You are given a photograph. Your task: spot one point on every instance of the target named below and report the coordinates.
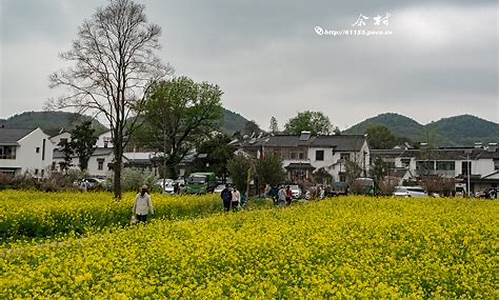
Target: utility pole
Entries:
(364, 163)
(468, 173)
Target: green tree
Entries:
(380, 137)
(269, 170)
(83, 140)
(179, 114)
(218, 152)
(240, 169)
(273, 125)
(314, 121)
(68, 152)
(113, 65)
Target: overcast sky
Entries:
(440, 60)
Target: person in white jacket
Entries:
(143, 205)
(235, 199)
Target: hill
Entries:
(52, 121)
(465, 129)
(233, 122)
(462, 130)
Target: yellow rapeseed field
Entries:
(31, 214)
(348, 247)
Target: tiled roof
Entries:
(97, 152)
(436, 154)
(339, 142)
(10, 136)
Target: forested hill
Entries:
(51, 122)
(463, 130)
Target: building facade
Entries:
(477, 165)
(25, 150)
(304, 154)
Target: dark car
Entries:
(489, 193)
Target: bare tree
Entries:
(113, 65)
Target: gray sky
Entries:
(440, 60)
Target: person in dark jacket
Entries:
(226, 197)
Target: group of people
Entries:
(231, 198)
(281, 195)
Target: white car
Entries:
(169, 185)
(219, 188)
(410, 191)
(296, 191)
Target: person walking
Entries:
(226, 197)
(143, 205)
(281, 197)
(236, 199)
(288, 195)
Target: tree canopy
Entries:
(314, 121)
(179, 114)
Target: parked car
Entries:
(91, 183)
(169, 185)
(410, 191)
(489, 193)
(296, 191)
(219, 188)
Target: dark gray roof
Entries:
(339, 142)
(97, 152)
(10, 136)
(436, 154)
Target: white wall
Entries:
(92, 167)
(101, 140)
(26, 157)
(57, 139)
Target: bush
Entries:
(133, 179)
(387, 186)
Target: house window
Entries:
(425, 165)
(446, 165)
(342, 177)
(301, 155)
(37, 149)
(7, 152)
(63, 141)
(43, 150)
(105, 144)
(495, 163)
(36, 171)
(293, 155)
(320, 155)
(405, 162)
(53, 167)
(43, 172)
(345, 156)
(100, 163)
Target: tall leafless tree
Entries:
(113, 64)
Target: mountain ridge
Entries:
(461, 130)
(51, 122)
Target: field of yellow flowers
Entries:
(31, 214)
(348, 247)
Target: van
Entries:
(201, 183)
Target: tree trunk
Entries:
(117, 169)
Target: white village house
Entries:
(304, 154)
(477, 165)
(25, 150)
